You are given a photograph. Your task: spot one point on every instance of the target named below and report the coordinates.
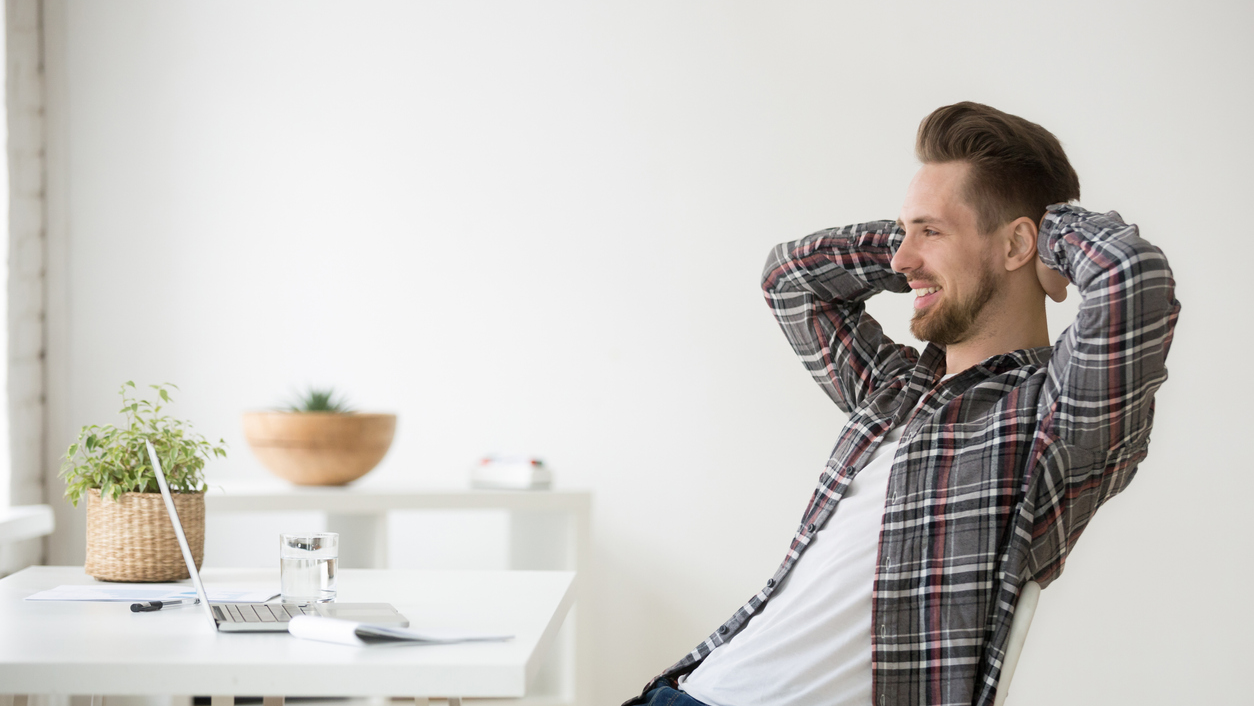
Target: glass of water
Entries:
(307, 566)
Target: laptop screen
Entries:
(178, 531)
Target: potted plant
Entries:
(319, 440)
(129, 534)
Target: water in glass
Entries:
(307, 567)
(308, 580)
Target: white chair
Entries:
(1018, 635)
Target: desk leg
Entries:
(558, 541)
(363, 539)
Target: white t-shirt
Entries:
(810, 645)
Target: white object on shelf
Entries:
(511, 473)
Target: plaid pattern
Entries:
(999, 469)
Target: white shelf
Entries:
(269, 496)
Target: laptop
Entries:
(264, 617)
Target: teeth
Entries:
(925, 292)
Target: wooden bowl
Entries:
(319, 448)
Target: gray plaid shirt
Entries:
(1000, 468)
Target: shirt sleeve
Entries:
(817, 288)
(1097, 406)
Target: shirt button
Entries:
(770, 583)
(811, 527)
(722, 629)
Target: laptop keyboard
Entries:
(264, 612)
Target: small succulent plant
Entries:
(320, 400)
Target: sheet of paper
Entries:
(348, 632)
(146, 592)
(150, 592)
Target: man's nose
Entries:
(907, 257)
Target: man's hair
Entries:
(1018, 168)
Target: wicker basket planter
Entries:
(132, 538)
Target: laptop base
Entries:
(273, 617)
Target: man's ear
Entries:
(1020, 243)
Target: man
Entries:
(968, 469)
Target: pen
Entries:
(149, 606)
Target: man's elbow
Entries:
(775, 268)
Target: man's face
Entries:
(947, 261)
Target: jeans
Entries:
(666, 696)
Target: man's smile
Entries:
(925, 296)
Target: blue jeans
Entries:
(666, 696)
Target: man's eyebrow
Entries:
(920, 220)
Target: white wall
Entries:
(539, 226)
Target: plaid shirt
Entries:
(999, 469)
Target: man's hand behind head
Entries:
(1052, 281)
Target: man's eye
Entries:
(929, 231)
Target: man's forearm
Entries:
(1087, 247)
(1112, 359)
(838, 264)
(816, 287)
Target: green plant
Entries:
(115, 459)
(316, 400)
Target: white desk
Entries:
(548, 530)
(104, 649)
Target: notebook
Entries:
(264, 617)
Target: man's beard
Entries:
(952, 321)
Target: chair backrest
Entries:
(1018, 635)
